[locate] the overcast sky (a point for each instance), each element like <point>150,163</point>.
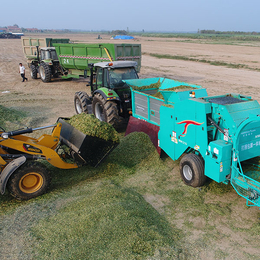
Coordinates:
<point>136,15</point>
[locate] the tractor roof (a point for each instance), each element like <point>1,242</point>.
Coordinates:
<point>116,64</point>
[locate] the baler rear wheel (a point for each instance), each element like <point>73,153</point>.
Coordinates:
<point>33,71</point>
<point>105,111</point>
<point>81,100</point>
<point>192,170</point>
<point>45,72</point>
<point>29,181</point>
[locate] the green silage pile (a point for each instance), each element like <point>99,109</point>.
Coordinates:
<point>158,95</point>
<point>180,88</point>
<point>89,125</point>
<point>151,86</point>
<point>134,149</point>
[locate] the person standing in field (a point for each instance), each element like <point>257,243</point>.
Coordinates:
<point>22,72</point>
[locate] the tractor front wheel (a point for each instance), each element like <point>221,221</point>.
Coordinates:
<point>81,101</point>
<point>192,170</point>
<point>30,180</point>
<point>105,111</point>
<point>33,71</point>
<point>45,72</point>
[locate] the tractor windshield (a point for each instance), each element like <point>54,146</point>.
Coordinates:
<point>117,75</point>
<point>49,55</point>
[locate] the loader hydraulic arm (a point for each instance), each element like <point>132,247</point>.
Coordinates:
<point>6,135</point>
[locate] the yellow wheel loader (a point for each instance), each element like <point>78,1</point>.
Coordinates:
<point>21,169</point>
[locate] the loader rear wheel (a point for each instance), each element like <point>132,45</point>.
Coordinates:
<point>33,71</point>
<point>81,101</point>
<point>192,170</point>
<point>105,111</point>
<point>45,72</point>
<point>30,180</point>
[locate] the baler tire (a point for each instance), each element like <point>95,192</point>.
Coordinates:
<point>33,71</point>
<point>81,102</point>
<point>45,72</point>
<point>29,181</point>
<point>105,111</point>
<point>192,170</point>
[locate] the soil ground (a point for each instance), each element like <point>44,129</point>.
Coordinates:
<point>45,102</point>
<point>48,101</point>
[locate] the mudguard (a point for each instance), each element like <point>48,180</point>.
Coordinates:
<point>108,94</point>
<point>9,170</point>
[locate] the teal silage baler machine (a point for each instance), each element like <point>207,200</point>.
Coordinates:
<point>216,137</point>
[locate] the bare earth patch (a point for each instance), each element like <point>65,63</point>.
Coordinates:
<point>45,102</point>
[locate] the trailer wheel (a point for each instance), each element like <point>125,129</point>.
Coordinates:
<point>45,72</point>
<point>33,71</point>
<point>81,101</point>
<point>192,170</point>
<point>105,111</point>
<point>30,180</point>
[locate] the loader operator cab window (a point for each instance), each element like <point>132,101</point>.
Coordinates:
<point>117,75</point>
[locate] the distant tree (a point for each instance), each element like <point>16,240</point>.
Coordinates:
<point>119,32</point>
<point>16,25</point>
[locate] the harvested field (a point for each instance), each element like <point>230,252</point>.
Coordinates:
<point>134,206</point>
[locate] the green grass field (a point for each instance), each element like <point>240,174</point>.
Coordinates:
<point>133,206</point>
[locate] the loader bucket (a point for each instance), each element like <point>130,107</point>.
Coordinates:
<point>86,149</point>
<point>137,125</point>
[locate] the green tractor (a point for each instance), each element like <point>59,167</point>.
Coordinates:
<point>110,98</point>
<point>46,64</point>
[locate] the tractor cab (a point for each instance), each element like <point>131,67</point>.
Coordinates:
<point>48,54</point>
<point>111,74</point>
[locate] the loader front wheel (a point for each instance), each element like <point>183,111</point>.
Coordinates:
<point>105,111</point>
<point>29,181</point>
<point>33,71</point>
<point>81,102</point>
<point>192,170</point>
<point>45,72</point>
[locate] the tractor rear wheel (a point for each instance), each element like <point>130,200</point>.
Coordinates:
<point>30,180</point>
<point>81,102</point>
<point>192,170</point>
<point>45,72</point>
<point>33,71</point>
<point>105,111</point>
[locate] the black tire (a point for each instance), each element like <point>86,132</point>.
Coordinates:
<point>29,181</point>
<point>192,170</point>
<point>33,71</point>
<point>105,111</point>
<point>45,72</point>
<point>81,102</point>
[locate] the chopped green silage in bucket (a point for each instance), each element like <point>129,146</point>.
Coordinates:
<point>89,125</point>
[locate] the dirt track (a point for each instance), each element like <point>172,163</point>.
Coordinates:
<point>45,102</point>
<point>48,101</point>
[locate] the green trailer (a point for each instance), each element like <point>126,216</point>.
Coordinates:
<point>75,58</point>
<point>53,58</point>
